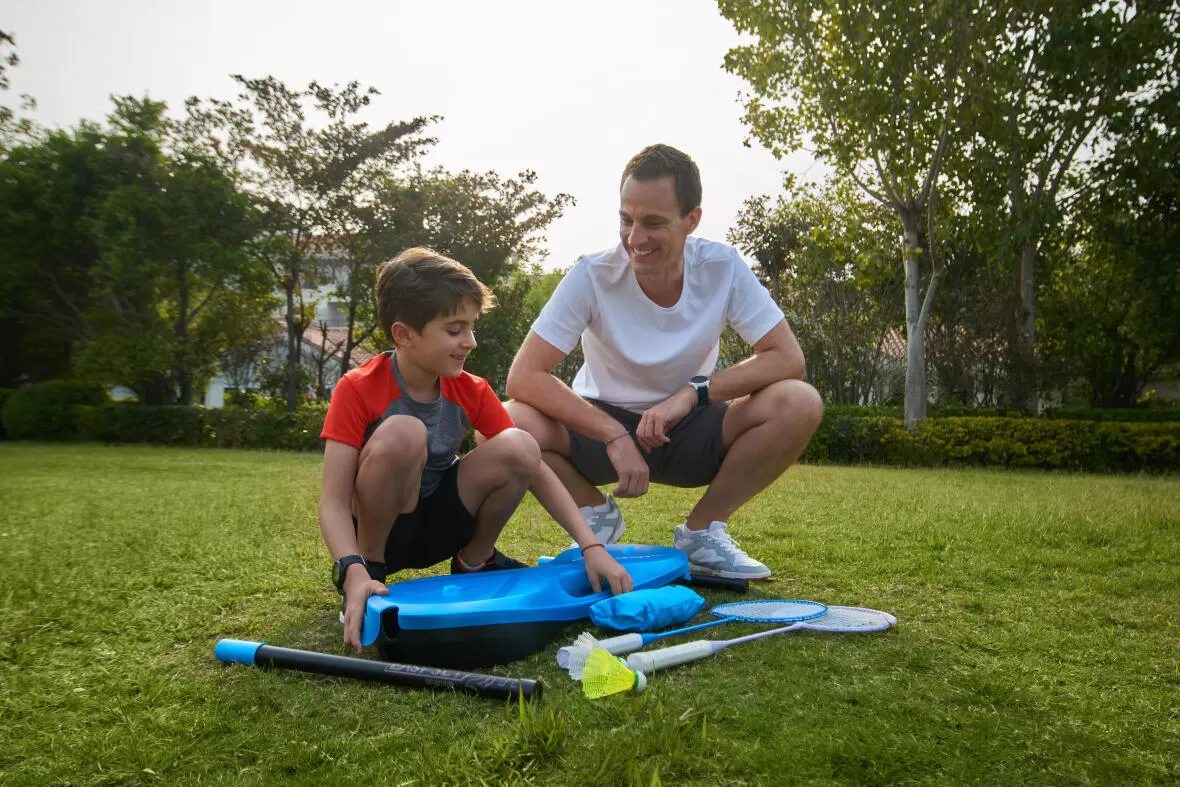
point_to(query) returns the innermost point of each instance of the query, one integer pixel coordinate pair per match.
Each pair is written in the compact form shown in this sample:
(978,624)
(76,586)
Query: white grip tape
(624,643)
(650,661)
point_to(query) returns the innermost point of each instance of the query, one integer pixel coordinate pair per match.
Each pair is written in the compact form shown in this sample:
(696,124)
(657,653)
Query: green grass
(1037,638)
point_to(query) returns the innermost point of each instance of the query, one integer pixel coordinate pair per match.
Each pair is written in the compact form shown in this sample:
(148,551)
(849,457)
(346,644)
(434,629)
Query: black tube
(412,675)
(717,583)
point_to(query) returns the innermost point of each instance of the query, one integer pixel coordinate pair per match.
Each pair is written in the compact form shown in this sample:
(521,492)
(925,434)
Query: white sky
(568,89)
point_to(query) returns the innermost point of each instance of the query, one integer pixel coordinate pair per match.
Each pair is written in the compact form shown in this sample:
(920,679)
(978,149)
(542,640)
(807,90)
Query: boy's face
(443,344)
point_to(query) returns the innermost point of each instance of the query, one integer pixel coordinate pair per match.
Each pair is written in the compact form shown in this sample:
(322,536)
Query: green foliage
(49,410)
(225,427)
(1000,442)
(829,256)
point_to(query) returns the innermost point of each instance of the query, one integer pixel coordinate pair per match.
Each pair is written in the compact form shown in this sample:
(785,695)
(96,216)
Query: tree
(12,127)
(833,252)
(877,87)
(172,286)
(493,225)
(1111,316)
(297,172)
(1044,95)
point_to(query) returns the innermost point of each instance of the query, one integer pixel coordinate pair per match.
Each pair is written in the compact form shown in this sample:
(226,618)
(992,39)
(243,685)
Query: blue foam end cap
(236,651)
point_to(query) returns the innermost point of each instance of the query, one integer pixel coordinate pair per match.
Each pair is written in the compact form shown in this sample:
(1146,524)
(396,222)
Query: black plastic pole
(717,583)
(412,675)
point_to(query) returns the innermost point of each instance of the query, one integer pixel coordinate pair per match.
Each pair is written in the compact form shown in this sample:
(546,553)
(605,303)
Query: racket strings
(770,611)
(852,619)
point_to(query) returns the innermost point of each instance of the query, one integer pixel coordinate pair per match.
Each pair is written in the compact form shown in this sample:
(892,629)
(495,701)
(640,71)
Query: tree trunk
(292,348)
(915,367)
(184,375)
(1025,390)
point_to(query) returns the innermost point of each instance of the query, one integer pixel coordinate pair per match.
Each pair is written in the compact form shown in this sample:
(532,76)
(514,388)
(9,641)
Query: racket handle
(624,643)
(650,661)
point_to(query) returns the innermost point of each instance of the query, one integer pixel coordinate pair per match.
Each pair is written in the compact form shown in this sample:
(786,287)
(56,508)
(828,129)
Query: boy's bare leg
(388,477)
(764,433)
(493,479)
(554,440)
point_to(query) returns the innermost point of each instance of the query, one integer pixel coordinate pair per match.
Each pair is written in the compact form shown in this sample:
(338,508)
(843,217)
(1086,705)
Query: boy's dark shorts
(692,458)
(434,531)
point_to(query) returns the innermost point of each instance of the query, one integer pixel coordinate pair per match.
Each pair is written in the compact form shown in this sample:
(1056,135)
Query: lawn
(1037,639)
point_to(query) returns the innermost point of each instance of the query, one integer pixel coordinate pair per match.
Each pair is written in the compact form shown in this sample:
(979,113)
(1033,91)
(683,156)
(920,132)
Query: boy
(395,495)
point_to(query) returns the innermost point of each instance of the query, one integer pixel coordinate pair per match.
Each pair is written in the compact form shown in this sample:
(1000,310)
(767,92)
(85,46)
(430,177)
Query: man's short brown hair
(419,285)
(663,161)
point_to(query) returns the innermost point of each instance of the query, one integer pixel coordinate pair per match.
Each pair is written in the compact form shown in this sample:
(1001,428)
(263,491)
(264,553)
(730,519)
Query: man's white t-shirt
(637,352)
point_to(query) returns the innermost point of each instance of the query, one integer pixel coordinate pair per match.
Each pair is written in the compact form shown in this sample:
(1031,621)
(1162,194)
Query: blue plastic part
(237,651)
(558,591)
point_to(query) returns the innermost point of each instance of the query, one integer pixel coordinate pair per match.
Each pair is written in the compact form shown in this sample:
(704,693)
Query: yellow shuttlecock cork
(608,674)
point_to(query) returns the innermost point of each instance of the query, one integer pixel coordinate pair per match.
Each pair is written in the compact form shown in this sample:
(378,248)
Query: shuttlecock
(572,658)
(605,673)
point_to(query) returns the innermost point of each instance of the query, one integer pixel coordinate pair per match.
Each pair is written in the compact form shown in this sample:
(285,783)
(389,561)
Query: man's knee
(546,431)
(794,403)
(516,452)
(399,442)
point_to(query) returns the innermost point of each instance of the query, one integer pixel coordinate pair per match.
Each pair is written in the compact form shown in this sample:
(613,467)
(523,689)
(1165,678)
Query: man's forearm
(752,374)
(555,399)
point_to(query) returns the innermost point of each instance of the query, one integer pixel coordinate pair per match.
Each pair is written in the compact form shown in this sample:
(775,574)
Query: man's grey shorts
(691,458)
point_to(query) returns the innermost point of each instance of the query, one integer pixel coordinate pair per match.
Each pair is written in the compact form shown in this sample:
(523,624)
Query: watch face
(699,380)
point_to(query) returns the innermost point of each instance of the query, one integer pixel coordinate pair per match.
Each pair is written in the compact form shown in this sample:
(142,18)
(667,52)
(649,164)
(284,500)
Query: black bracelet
(591,546)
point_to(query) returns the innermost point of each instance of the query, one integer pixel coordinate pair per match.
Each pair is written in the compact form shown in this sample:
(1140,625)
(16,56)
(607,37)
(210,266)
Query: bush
(999,442)
(4,394)
(49,410)
(227,427)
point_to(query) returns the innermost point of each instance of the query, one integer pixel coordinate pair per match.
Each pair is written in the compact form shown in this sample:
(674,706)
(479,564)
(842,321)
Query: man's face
(445,342)
(651,227)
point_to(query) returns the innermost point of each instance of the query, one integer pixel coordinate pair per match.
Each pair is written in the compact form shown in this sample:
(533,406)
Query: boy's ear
(402,334)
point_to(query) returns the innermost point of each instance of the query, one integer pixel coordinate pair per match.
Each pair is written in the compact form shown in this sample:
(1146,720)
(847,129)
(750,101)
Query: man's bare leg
(764,434)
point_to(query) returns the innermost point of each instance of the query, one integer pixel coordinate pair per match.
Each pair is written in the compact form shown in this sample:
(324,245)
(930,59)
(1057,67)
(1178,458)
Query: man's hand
(600,565)
(358,586)
(658,421)
(629,466)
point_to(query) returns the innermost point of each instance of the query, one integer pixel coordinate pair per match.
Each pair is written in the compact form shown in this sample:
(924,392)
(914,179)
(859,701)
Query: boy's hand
(600,565)
(358,586)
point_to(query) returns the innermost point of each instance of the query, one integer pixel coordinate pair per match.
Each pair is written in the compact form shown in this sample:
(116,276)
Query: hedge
(999,442)
(49,410)
(224,427)
(1044,443)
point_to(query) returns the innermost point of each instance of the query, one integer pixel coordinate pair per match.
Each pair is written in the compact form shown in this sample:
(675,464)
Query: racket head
(770,610)
(851,620)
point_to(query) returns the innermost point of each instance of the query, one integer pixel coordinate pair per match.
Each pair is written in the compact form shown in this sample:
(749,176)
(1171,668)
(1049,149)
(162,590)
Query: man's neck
(663,288)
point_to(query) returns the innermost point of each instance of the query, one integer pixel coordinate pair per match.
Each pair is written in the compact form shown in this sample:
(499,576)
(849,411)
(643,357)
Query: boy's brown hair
(419,285)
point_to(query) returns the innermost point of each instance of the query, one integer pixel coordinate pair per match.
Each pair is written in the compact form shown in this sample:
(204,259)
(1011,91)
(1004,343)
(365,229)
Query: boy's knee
(518,452)
(399,440)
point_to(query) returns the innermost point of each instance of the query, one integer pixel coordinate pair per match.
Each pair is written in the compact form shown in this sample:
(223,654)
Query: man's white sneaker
(605,520)
(714,552)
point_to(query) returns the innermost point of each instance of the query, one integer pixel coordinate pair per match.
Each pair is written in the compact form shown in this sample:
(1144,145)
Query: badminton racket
(847,620)
(573,657)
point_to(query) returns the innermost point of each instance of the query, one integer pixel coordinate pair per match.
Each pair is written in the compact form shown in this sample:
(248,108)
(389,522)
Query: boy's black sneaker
(497,562)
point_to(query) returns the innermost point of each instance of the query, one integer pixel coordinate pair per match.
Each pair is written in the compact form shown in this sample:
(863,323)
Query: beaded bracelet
(590,546)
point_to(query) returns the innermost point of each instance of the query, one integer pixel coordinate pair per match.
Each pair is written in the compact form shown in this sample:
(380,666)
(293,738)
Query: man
(647,404)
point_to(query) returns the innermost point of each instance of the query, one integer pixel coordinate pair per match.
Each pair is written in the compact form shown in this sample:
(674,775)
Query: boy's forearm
(555,499)
(336,528)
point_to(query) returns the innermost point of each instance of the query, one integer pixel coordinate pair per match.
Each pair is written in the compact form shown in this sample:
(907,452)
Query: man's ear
(403,335)
(694,219)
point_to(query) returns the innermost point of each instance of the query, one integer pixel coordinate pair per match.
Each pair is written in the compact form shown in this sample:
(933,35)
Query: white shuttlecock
(572,658)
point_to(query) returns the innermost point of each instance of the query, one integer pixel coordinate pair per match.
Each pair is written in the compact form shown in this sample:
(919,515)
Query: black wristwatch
(701,384)
(340,569)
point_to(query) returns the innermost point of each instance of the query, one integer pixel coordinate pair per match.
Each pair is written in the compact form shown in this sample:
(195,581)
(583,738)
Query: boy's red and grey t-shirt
(369,394)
